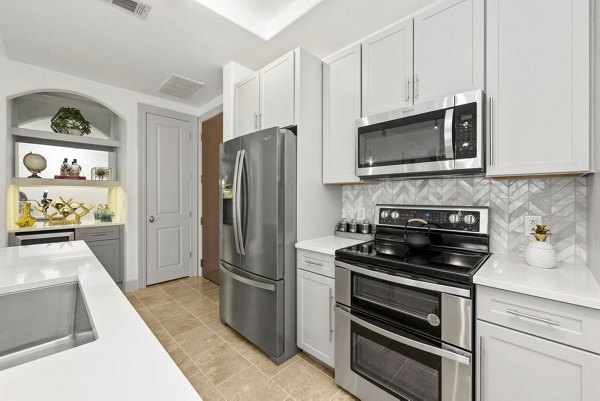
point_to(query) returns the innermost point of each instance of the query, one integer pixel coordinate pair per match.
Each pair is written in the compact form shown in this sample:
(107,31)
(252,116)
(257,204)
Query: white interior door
(168,197)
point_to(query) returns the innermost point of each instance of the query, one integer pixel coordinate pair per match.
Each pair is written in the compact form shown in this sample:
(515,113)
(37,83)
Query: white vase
(540,254)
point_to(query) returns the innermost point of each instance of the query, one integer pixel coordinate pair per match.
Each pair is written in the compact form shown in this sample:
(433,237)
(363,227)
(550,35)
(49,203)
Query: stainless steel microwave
(437,138)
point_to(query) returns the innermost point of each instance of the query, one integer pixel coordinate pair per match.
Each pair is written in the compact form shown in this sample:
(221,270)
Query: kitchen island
(125,362)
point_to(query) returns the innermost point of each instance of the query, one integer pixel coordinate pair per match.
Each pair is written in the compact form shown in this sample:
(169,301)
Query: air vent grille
(133,7)
(180,87)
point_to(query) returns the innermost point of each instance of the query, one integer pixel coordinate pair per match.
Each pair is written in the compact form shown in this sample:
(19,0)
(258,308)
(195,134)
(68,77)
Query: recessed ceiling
(94,40)
(263,18)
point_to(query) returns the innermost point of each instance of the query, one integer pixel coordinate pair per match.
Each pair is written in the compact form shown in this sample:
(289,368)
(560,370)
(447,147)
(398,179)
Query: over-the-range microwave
(431,139)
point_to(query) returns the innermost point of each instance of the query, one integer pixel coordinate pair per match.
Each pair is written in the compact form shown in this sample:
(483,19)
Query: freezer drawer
(253,306)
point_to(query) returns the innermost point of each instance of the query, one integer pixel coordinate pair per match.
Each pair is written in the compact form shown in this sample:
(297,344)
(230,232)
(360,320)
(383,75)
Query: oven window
(408,140)
(408,373)
(412,307)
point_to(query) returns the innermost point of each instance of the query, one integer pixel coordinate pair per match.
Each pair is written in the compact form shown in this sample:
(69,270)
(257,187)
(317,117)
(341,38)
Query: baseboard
(130,285)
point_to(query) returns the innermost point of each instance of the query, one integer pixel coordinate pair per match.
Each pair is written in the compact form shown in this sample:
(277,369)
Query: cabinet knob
(151,219)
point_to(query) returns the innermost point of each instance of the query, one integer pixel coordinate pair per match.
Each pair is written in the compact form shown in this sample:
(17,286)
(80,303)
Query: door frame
(204,117)
(143,111)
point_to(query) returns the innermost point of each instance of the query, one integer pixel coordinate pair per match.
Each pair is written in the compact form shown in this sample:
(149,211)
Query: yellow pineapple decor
(541,232)
(63,210)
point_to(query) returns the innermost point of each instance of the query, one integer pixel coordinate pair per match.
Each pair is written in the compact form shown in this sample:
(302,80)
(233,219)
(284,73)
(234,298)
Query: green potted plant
(68,120)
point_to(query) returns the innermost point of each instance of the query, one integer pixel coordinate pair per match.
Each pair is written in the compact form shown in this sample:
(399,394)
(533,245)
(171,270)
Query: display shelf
(44,182)
(51,138)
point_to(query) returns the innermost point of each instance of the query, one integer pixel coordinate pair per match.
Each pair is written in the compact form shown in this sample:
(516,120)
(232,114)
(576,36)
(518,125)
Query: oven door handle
(465,360)
(406,281)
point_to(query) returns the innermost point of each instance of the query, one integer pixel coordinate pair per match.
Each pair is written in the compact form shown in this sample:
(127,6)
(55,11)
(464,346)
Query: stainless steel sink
(42,321)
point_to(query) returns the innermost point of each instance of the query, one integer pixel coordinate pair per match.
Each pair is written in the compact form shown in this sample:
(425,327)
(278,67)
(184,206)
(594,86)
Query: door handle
(240,178)
(417,85)
(151,219)
(236,237)
(244,280)
(443,353)
(448,142)
(491,131)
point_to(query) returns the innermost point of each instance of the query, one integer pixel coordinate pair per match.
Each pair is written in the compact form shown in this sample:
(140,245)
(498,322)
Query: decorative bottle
(65,167)
(75,169)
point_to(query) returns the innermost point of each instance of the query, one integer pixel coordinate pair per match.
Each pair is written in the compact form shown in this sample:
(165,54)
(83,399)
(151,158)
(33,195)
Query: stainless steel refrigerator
(257,239)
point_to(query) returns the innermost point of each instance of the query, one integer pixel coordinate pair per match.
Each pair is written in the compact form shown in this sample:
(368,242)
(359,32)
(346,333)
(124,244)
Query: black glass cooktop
(435,262)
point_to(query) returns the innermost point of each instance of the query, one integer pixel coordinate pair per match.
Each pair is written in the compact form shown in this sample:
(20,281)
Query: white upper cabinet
(341,109)
(448,49)
(277,90)
(538,86)
(387,69)
(267,98)
(246,107)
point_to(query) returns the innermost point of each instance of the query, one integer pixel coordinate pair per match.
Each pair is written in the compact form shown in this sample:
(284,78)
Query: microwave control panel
(465,131)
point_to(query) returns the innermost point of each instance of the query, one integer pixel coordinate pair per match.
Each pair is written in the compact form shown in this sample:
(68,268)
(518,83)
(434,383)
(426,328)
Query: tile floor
(218,362)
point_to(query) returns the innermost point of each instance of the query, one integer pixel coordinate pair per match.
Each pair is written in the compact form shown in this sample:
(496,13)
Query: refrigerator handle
(240,201)
(235,202)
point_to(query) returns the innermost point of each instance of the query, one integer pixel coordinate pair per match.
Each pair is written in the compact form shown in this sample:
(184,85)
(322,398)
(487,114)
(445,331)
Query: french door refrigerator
(257,239)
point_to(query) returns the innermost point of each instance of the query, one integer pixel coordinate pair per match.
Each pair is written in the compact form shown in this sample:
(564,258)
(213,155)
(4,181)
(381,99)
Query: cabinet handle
(330,314)
(491,131)
(481,368)
(532,317)
(417,86)
(310,262)
(256,121)
(260,120)
(407,88)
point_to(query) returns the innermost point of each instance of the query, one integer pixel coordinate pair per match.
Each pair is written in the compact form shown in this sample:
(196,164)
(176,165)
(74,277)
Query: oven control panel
(472,220)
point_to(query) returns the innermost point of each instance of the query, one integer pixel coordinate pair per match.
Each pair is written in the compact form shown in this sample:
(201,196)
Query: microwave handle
(465,360)
(448,141)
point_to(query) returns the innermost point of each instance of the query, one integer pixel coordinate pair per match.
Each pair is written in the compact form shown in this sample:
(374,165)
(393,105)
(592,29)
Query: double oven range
(404,317)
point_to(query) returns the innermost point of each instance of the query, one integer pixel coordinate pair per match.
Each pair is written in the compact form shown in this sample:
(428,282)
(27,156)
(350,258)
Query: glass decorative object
(102,173)
(103,214)
(35,163)
(27,220)
(75,169)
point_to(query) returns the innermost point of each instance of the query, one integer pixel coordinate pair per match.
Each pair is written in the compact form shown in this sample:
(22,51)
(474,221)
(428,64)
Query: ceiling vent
(136,8)
(179,86)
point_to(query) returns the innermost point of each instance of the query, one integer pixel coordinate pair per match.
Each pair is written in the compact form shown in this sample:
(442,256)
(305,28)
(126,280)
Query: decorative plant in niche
(68,120)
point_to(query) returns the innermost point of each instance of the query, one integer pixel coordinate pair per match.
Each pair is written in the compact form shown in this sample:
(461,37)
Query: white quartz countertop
(327,245)
(44,226)
(568,283)
(126,362)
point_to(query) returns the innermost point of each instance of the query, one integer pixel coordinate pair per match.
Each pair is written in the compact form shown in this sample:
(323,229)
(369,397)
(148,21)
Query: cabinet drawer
(558,321)
(316,262)
(97,233)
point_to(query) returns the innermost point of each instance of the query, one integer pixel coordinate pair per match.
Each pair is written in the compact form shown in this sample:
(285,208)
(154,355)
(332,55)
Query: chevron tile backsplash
(562,203)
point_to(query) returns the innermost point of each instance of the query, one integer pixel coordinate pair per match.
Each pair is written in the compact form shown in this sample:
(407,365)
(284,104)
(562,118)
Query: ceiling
(92,39)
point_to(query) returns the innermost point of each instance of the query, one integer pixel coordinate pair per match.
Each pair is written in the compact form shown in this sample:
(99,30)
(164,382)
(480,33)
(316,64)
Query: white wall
(18,78)
(593,225)
(232,74)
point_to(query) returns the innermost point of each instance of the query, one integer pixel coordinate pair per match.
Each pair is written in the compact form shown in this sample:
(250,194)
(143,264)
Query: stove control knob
(384,214)
(395,215)
(470,219)
(454,218)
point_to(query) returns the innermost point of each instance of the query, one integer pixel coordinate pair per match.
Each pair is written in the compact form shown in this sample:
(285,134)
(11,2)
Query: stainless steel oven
(403,338)
(436,138)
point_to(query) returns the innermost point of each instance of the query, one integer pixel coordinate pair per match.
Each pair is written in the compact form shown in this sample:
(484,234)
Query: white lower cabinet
(531,349)
(315,315)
